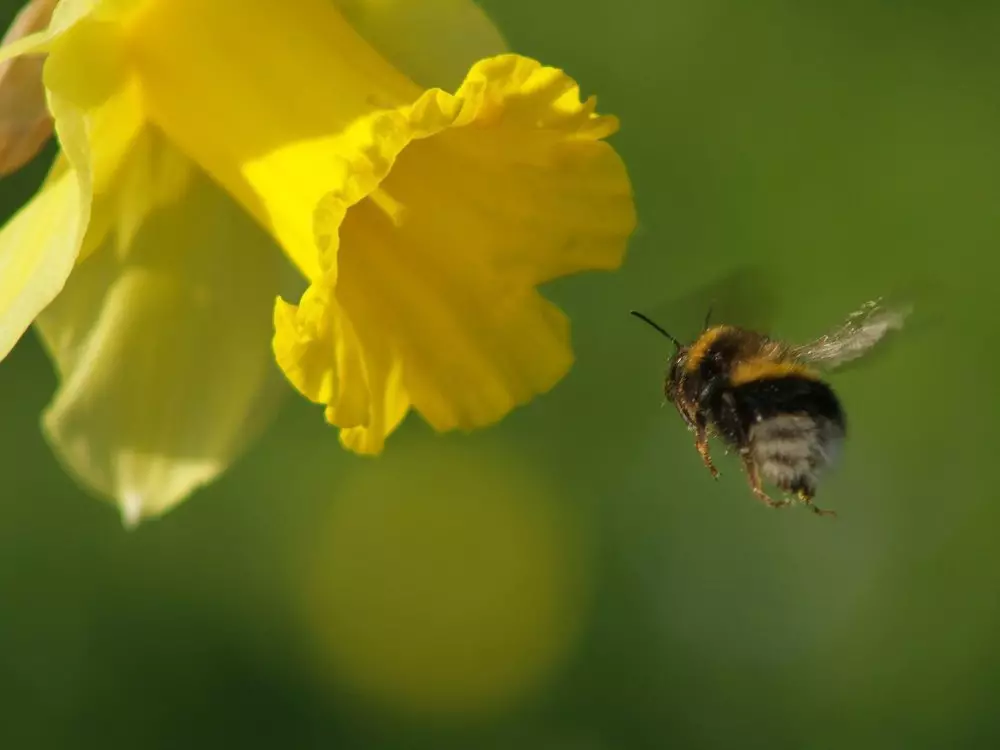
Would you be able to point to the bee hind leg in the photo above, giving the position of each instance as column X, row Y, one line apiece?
column 753, row 477
column 807, row 498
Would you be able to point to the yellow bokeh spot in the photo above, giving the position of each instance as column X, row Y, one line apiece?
column 445, row 583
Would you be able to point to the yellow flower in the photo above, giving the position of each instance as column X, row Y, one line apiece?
column 200, row 138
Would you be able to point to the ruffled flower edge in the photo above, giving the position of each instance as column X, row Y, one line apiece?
column 315, row 343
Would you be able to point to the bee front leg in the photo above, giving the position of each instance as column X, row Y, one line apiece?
column 701, row 444
column 753, row 477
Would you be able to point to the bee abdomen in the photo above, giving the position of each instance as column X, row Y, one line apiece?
column 791, row 426
column 791, row 450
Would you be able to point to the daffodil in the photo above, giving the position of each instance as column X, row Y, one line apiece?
column 367, row 192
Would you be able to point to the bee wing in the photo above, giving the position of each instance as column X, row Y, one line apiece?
column 744, row 296
column 855, row 337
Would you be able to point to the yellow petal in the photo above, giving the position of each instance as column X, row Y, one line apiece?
column 163, row 354
column 360, row 382
column 37, row 251
column 382, row 387
column 503, row 186
column 65, row 15
column 335, row 361
column 434, row 42
column 97, row 115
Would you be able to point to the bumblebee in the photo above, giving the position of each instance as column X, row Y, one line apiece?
column 766, row 398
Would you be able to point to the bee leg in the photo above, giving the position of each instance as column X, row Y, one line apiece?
column 701, row 444
column 753, row 477
column 806, row 497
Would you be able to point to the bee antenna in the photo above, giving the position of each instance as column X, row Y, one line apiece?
column 708, row 315
column 657, row 326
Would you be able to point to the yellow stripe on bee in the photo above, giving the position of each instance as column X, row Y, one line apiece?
column 767, row 369
column 697, row 351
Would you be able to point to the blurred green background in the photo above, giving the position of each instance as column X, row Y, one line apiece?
column 576, row 580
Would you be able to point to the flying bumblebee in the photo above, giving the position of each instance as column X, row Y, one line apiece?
column 766, row 399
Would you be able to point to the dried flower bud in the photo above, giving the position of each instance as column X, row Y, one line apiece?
column 25, row 122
